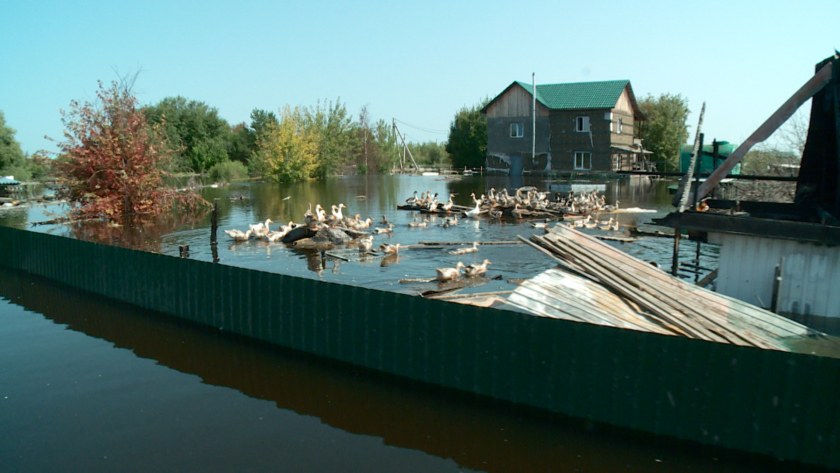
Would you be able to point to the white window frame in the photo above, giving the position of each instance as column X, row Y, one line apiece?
column 517, row 130
column 620, row 126
column 609, row 116
column 585, row 158
column 582, row 124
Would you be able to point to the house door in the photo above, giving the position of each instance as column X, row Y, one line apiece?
column 516, row 165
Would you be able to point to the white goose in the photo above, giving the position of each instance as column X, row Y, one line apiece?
column 474, row 212
column 477, row 269
column 465, row 250
column 239, row 235
column 389, row 249
column 449, row 274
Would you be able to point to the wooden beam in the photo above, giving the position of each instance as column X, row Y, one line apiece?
column 814, row 85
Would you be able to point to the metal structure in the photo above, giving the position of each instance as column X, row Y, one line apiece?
column 763, row 401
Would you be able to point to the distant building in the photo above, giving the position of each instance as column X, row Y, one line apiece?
column 583, row 126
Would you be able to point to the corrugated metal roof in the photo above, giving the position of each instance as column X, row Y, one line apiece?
column 579, row 95
column 5, row 181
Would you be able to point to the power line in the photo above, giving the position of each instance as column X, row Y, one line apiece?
column 427, row 130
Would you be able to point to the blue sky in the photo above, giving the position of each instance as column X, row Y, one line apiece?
column 418, row 62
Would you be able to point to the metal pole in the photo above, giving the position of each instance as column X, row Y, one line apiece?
column 534, row 118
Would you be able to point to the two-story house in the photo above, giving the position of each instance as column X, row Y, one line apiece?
column 583, row 126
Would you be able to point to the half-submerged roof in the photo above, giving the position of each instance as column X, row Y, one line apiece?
column 578, row 95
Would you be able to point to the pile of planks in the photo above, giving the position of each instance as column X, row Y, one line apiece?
column 623, row 291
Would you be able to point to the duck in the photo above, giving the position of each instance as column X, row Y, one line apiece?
column 363, row 224
column 380, row 230
column 260, row 229
column 606, row 225
column 410, row 200
column 365, row 244
column 389, row 249
column 541, row 224
column 611, row 208
column 261, row 226
column 465, row 250
column 337, row 213
column 449, row 221
column 385, row 219
column 477, row 269
column 239, row 235
column 518, row 212
column 447, row 206
column 419, row 224
column 496, row 214
column 449, row 274
column 273, row 236
column 614, row 226
column 320, row 214
column 475, row 211
column 588, row 223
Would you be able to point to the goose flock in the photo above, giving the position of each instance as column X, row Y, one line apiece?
column 539, row 208
column 525, row 202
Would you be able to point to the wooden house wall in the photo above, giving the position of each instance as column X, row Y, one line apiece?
column 565, row 140
column 516, row 102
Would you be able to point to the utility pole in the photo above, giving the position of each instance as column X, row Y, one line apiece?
column 534, row 118
column 405, row 145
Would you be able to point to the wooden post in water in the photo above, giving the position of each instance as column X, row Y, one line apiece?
column 214, row 225
column 675, row 260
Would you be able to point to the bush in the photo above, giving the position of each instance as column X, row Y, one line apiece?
column 228, row 171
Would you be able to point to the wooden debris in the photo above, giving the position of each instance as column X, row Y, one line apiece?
column 467, row 243
column 661, row 302
column 616, row 238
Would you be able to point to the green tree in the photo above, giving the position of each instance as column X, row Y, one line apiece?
column 333, row 128
column 665, row 129
column 288, row 151
column 12, row 160
column 430, row 153
column 203, row 136
column 770, row 161
column 385, row 148
column 467, row 143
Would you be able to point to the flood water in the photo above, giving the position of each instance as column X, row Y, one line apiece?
column 92, row 385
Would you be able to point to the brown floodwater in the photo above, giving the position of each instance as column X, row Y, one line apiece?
column 88, row 384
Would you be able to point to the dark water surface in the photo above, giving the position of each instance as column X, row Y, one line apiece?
column 91, row 385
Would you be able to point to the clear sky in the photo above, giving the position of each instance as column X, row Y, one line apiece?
column 418, row 62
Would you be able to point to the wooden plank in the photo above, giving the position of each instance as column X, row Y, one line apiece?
column 814, row 85
column 712, row 303
column 710, row 319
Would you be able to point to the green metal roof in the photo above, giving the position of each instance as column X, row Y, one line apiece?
column 579, row 95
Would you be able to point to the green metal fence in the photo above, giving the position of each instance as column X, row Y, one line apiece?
column 774, row 403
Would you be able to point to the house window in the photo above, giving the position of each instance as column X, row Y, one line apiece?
column 583, row 160
column 620, row 126
column 517, row 130
column 609, row 117
column 582, row 124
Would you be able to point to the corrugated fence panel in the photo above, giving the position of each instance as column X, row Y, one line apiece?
column 761, row 401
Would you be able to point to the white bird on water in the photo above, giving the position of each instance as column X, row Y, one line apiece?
column 448, row 274
column 465, row 250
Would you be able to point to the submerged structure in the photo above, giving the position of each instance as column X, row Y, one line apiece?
column 784, row 257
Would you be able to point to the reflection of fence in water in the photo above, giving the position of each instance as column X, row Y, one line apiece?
column 738, row 397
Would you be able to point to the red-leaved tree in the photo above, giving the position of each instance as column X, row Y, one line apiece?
column 111, row 160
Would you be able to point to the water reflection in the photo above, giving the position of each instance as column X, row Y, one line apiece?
column 474, row 432
column 241, row 204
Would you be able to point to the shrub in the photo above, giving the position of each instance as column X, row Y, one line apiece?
column 228, row 171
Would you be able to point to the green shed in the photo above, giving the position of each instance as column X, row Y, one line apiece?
column 707, row 163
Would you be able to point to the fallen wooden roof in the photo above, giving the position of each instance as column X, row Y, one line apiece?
column 599, row 284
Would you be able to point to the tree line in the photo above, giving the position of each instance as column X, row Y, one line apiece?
column 112, row 144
